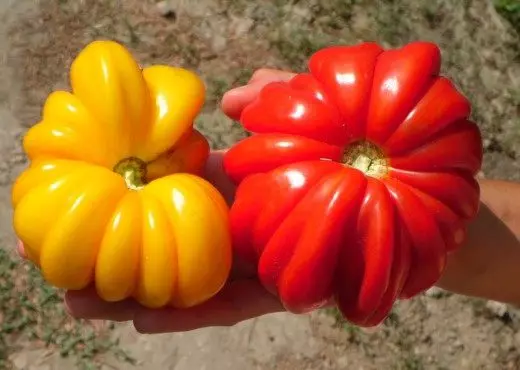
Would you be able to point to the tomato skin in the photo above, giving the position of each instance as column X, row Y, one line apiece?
column 112, row 197
column 358, row 182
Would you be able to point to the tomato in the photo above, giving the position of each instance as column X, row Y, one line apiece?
column 358, row 180
column 113, row 194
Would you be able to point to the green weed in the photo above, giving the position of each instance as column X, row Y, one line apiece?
column 510, row 10
column 32, row 311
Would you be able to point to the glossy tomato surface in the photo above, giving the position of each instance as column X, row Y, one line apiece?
column 358, row 181
column 113, row 195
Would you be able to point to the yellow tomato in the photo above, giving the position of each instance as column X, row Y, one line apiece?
column 113, row 196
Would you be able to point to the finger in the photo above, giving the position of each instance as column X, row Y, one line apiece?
column 86, row 304
column 234, row 101
column 270, row 74
column 20, row 249
column 239, row 301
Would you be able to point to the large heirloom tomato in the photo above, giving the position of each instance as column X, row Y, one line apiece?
column 358, row 180
column 112, row 196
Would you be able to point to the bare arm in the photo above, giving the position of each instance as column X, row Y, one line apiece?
column 488, row 264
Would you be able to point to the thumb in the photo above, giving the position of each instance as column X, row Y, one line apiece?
column 234, row 101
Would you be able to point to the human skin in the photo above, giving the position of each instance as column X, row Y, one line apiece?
column 485, row 266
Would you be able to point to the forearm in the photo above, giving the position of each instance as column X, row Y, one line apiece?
column 488, row 264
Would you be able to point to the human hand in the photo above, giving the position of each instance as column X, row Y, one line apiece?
column 241, row 299
column 476, row 270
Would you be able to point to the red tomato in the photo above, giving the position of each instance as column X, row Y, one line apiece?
column 359, row 180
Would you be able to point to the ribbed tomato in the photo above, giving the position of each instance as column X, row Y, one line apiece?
column 358, row 181
column 113, row 196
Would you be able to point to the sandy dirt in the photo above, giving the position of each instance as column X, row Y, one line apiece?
column 225, row 41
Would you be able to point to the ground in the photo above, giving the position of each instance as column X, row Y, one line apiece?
column 225, row 41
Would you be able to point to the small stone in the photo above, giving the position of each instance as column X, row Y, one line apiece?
column 166, row 10
column 342, row 362
column 516, row 339
column 302, row 12
column 241, row 26
column 218, row 44
column 19, row 361
column 498, row 309
column 434, row 292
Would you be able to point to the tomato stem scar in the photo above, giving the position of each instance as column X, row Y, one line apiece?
column 367, row 158
column 133, row 170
